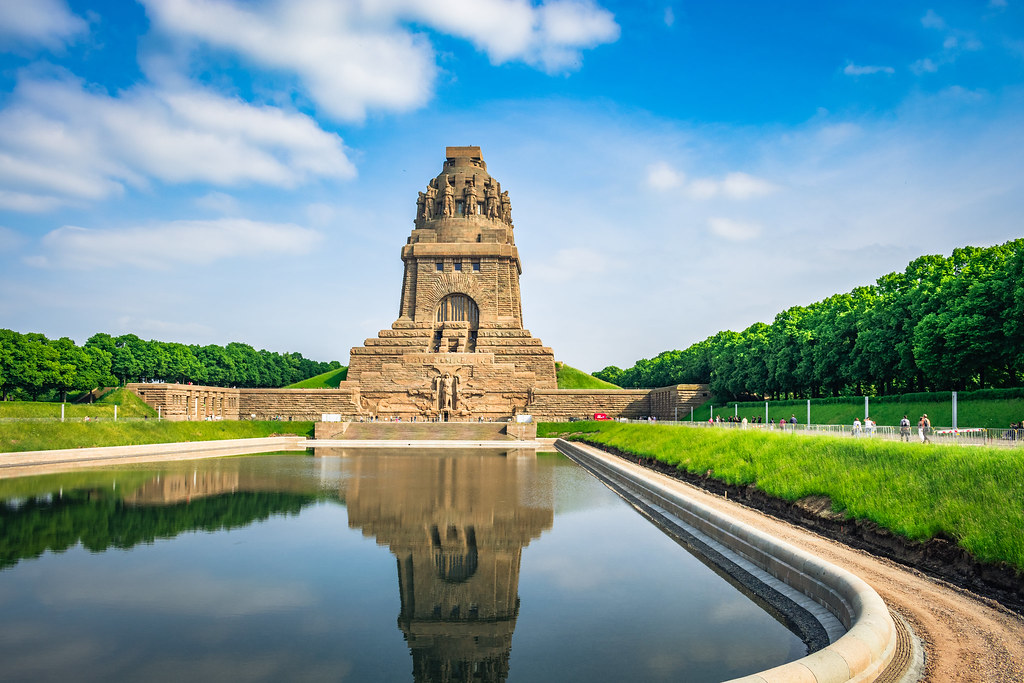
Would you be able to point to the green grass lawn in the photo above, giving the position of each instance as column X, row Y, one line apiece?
column 974, row 495
column 326, row 380
column 571, row 378
column 128, row 405
column 33, row 436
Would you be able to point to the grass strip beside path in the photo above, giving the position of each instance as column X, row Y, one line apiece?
column 41, row 436
column 974, row 495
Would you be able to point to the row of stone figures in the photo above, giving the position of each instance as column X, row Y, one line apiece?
column 496, row 205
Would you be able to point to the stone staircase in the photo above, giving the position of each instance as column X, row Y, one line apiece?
column 417, row 431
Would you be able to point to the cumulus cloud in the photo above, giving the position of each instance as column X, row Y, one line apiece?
column 358, row 56
column 933, row 20
column 662, row 176
column 61, row 142
column 866, row 70
column 733, row 230
column 44, row 22
column 170, row 244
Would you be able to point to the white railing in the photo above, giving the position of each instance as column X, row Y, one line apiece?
column 977, row 436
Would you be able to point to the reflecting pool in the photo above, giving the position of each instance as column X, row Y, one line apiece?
column 359, row 565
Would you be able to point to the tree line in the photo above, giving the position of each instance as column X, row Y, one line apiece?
column 32, row 366
column 944, row 323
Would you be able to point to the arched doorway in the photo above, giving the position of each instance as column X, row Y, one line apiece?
column 455, row 308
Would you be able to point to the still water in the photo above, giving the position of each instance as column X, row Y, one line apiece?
column 359, row 566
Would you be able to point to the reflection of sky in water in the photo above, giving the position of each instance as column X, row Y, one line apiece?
column 603, row 596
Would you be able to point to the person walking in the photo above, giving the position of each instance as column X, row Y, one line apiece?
column 924, row 426
column 856, row 427
column 905, row 429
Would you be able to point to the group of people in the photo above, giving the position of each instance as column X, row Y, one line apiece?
column 924, row 429
column 867, row 428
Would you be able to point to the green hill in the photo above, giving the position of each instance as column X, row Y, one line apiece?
column 327, row 380
column 571, row 378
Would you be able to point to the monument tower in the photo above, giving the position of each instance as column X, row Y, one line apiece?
column 458, row 349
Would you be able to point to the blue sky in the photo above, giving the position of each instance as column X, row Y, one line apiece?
column 208, row 171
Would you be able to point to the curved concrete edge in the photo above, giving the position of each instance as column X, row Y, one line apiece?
column 15, row 463
column 860, row 655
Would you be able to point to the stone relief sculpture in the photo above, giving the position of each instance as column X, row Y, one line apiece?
column 430, row 202
column 446, row 391
column 491, row 201
column 470, row 197
column 421, row 206
column 448, row 200
column 506, row 208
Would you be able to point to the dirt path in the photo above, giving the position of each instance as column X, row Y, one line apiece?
column 966, row 638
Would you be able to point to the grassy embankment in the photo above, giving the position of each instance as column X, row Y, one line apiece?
column 990, row 412
column 38, row 436
column 974, row 495
column 128, row 405
column 571, row 378
column 101, row 430
column 327, row 380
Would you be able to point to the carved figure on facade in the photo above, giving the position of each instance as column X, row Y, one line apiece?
column 506, row 208
column 469, row 195
column 421, row 206
column 429, row 202
column 492, row 203
column 448, row 200
column 446, row 392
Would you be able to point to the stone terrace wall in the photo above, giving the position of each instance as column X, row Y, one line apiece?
column 664, row 403
column 188, row 401
column 195, row 402
column 298, row 404
column 668, row 403
column 558, row 405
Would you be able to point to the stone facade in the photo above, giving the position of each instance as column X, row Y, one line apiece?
column 458, row 350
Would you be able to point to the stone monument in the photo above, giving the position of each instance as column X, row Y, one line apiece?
column 458, row 349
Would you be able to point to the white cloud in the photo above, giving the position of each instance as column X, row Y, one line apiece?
column 734, row 231
column 359, row 56
column 923, row 66
column 170, row 244
column 661, row 176
column 47, row 22
column 219, row 202
column 933, row 20
column 60, row 141
column 739, row 186
column 866, row 70
column 670, row 17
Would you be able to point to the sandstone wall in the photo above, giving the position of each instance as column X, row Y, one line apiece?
column 664, row 403
column 196, row 402
column 298, row 404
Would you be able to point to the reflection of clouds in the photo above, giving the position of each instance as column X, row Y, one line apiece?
column 21, row 660
column 725, row 611
column 192, row 593
column 270, row 666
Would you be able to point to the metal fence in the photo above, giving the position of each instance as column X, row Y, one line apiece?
column 976, row 436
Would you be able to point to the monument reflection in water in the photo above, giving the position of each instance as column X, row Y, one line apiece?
column 458, row 528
